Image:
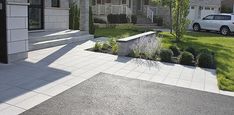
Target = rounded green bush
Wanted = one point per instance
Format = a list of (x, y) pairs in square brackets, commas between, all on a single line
[(187, 58), (175, 50), (166, 55), (206, 51), (191, 50), (205, 60)]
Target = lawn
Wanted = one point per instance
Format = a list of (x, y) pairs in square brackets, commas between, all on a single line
[(120, 31), (222, 46)]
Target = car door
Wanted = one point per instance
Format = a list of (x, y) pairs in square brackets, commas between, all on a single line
[(206, 23), (221, 20)]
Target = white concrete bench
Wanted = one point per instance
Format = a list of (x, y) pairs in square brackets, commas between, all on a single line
[(126, 44)]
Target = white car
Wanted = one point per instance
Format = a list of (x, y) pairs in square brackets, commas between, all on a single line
[(223, 23)]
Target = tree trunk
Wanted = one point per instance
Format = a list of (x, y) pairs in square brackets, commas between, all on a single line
[(171, 28)]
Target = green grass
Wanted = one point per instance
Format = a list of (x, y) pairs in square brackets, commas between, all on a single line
[(117, 32), (222, 46)]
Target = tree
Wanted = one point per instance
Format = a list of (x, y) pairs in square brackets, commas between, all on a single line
[(167, 3), (74, 16), (180, 22), (91, 22), (170, 4)]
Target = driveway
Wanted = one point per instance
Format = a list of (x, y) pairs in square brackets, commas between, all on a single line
[(106, 94)]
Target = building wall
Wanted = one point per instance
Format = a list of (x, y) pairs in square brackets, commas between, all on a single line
[(17, 29), (228, 4), (56, 18)]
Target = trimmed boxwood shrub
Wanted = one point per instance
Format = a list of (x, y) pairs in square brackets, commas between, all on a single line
[(158, 20), (187, 58), (100, 21), (175, 50), (117, 18), (134, 19), (123, 18), (166, 55), (205, 60), (191, 50)]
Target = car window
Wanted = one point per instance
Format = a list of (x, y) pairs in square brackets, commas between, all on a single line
[(222, 17), (210, 17)]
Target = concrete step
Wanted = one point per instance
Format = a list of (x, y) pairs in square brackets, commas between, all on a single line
[(54, 35), (143, 20), (57, 42)]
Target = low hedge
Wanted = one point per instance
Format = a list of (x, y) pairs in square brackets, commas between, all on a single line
[(134, 19), (100, 21), (117, 18), (166, 55), (175, 50), (205, 60), (187, 58)]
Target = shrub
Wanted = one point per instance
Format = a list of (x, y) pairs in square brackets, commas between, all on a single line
[(117, 18), (134, 19), (205, 50), (123, 18), (205, 60), (74, 17), (158, 20), (100, 21), (187, 58), (114, 49), (166, 55), (191, 50), (97, 46), (112, 41), (106, 46), (175, 50)]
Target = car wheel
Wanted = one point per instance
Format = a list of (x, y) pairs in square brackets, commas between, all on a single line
[(225, 31), (196, 27)]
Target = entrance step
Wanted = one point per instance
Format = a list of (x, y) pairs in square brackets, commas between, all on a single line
[(53, 35), (57, 42), (46, 39), (143, 20)]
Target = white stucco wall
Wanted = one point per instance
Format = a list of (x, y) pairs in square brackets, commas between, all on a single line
[(17, 30), (56, 17)]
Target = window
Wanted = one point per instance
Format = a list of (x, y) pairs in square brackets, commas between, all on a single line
[(108, 1), (210, 17), (124, 1), (99, 1), (207, 8), (35, 15), (200, 8), (146, 2), (55, 3), (130, 3), (192, 7), (222, 17)]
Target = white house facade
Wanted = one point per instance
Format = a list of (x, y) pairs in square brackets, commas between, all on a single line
[(201, 8), (21, 18)]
